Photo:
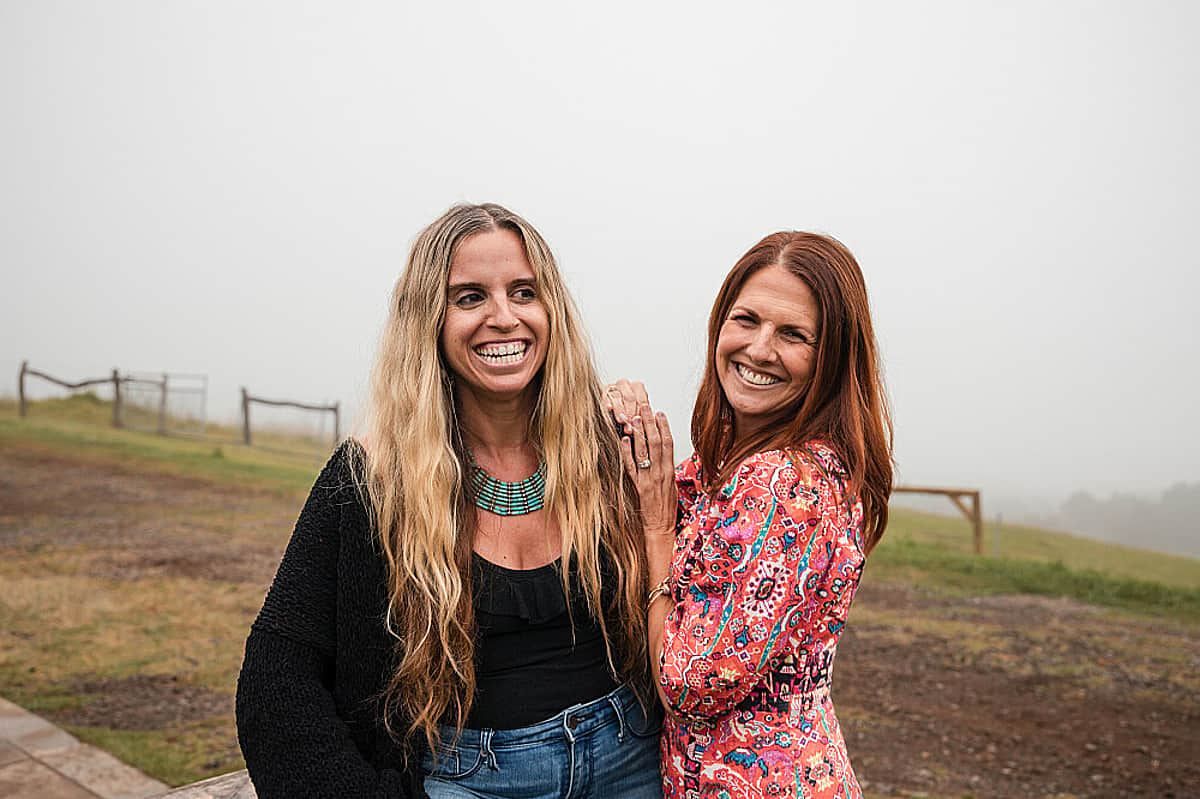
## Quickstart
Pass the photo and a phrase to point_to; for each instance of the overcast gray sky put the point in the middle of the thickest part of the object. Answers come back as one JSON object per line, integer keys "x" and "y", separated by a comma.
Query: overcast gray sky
{"x": 230, "y": 188}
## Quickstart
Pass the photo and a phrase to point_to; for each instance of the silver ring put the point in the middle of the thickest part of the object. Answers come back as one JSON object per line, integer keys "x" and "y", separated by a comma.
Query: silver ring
{"x": 644, "y": 464}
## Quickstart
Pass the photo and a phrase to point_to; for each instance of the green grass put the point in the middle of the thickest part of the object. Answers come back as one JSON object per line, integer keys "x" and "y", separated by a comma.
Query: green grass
{"x": 1014, "y": 542}
{"x": 81, "y": 425}
{"x": 188, "y": 755}
{"x": 58, "y": 623}
{"x": 62, "y": 622}
{"x": 82, "y": 407}
{"x": 933, "y": 566}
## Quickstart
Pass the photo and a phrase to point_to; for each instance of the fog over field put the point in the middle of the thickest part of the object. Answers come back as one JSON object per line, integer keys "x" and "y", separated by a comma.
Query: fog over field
{"x": 230, "y": 189}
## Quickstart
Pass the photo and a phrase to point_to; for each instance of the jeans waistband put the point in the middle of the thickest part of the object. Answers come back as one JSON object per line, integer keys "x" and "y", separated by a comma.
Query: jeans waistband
{"x": 572, "y": 723}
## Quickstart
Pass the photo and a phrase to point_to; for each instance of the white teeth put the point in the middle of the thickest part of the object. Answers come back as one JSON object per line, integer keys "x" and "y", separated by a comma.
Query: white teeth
{"x": 501, "y": 354}
{"x": 757, "y": 378}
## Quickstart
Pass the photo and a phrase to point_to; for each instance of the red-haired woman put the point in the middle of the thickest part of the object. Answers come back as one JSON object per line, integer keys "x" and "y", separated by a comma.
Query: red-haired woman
{"x": 757, "y": 541}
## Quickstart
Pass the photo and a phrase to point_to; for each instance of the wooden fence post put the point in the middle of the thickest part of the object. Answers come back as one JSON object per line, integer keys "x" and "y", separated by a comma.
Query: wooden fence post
{"x": 162, "y": 408}
{"x": 335, "y": 408}
{"x": 116, "y": 380}
{"x": 21, "y": 388}
{"x": 245, "y": 417}
{"x": 977, "y": 521}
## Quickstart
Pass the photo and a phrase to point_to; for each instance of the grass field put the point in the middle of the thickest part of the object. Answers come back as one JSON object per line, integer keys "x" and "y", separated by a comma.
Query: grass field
{"x": 82, "y": 423}
{"x": 131, "y": 566}
{"x": 1019, "y": 542}
{"x": 924, "y": 548}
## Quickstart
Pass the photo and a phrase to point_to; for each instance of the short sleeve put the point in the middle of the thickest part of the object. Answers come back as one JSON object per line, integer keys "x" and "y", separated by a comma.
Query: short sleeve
{"x": 744, "y": 582}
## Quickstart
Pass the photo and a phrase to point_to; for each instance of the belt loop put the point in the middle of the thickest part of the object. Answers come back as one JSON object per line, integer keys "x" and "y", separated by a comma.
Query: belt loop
{"x": 616, "y": 706}
{"x": 485, "y": 746}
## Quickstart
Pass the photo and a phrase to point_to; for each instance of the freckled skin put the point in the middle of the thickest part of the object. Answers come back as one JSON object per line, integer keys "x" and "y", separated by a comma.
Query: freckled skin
{"x": 766, "y": 348}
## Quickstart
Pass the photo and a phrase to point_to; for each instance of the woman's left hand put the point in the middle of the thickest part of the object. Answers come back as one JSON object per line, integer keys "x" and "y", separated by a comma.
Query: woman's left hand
{"x": 648, "y": 454}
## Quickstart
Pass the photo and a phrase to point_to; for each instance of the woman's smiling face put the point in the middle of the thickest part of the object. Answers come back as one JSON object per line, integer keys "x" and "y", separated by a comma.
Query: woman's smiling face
{"x": 767, "y": 348}
{"x": 496, "y": 331}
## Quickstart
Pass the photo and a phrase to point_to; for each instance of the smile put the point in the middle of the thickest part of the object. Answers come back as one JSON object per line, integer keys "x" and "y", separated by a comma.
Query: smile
{"x": 503, "y": 353}
{"x": 755, "y": 378}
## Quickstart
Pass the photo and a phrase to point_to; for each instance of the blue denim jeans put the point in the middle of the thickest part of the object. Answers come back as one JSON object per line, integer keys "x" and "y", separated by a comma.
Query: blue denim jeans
{"x": 606, "y": 748}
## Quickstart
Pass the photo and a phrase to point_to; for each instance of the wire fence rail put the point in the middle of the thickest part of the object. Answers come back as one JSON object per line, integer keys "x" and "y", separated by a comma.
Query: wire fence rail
{"x": 166, "y": 403}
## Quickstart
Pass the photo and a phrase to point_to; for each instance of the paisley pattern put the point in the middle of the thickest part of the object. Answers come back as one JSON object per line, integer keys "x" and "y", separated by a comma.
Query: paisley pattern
{"x": 763, "y": 573}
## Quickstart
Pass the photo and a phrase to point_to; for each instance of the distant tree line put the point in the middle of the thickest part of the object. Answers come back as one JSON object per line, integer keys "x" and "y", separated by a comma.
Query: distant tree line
{"x": 1172, "y": 524}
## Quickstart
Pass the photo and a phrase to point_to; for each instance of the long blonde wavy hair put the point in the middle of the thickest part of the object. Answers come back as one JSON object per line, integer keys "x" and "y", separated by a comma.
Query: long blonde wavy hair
{"x": 414, "y": 473}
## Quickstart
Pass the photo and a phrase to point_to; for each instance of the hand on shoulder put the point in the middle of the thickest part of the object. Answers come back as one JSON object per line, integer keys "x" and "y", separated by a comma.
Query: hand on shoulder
{"x": 647, "y": 452}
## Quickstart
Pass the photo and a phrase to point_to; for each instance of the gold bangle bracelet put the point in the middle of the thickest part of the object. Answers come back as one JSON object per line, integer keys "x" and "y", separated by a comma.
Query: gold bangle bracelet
{"x": 662, "y": 589}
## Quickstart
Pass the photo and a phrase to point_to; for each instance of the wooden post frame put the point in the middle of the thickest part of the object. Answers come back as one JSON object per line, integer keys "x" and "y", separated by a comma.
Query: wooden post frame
{"x": 959, "y": 497}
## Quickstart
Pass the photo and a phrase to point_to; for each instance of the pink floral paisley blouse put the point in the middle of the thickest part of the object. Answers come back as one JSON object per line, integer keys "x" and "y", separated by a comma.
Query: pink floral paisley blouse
{"x": 763, "y": 575}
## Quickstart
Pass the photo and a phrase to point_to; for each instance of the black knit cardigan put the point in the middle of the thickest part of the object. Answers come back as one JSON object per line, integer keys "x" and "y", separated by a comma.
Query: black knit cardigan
{"x": 318, "y": 657}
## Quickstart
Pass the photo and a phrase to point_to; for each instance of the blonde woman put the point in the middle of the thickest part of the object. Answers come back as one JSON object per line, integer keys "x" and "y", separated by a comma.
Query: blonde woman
{"x": 461, "y": 609}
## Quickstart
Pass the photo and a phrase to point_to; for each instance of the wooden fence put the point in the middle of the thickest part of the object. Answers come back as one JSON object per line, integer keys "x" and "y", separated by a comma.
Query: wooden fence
{"x": 960, "y": 497}
{"x": 115, "y": 380}
{"x": 126, "y": 389}
{"x": 159, "y": 418}
{"x": 248, "y": 400}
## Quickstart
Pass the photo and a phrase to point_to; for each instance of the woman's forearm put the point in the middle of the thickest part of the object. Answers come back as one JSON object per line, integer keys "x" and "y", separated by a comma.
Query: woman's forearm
{"x": 659, "y": 549}
{"x": 657, "y": 618}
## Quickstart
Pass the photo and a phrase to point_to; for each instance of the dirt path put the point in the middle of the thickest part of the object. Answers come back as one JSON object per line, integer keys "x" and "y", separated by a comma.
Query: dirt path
{"x": 984, "y": 697}
{"x": 138, "y": 523}
{"x": 1017, "y": 696}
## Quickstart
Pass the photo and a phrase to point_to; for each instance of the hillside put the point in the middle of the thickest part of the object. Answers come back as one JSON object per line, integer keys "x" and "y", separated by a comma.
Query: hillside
{"x": 131, "y": 566}
{"x": 1023, "y": 542}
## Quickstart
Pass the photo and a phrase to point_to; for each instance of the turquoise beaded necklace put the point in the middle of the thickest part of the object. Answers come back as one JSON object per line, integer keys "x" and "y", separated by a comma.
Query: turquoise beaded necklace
{"x": 508, "y": 499}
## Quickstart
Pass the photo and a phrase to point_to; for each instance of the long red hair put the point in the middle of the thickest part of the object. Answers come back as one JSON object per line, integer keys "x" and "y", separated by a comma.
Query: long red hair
{"x": 845, "y": 405}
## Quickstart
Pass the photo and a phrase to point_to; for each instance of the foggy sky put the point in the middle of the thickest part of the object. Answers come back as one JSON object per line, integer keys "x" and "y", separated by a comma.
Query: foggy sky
{"x": 230, "y": 188}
